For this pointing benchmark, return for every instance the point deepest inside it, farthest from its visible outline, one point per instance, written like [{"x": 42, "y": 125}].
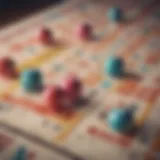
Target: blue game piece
[
  {"x": 121, "y": 120},
  {"x": 114, "y": 66},
  {"x": 115, "y": 14},
  {"x": 31, "y": 80},
  {"x": 21, "y": 154}
]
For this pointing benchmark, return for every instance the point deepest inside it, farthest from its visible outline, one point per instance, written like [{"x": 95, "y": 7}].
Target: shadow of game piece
[
  {"x": 103, "y": 115},
  {"x": 132, "y": 132},
  {"x": 82, "y": 101},
  {"x": 132, "y": 76},
  {"x": 129, "y": 76},
  {"x": 96, "y": 38},
  {"x": 60, "y": 43}
]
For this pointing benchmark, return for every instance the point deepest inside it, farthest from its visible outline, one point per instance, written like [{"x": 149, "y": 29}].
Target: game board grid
[
  {"x": 81, "y": 136},
  {"x": 34, "y": 151},
  {"x": 84, "y": 135},
  {"x": 109, "y": 40},
  {"x": 67, "y": 31},
  {"x": 33, "y": 63},
  {"x": 41, "y": 132},
  {"x": 32, "y": 123}
]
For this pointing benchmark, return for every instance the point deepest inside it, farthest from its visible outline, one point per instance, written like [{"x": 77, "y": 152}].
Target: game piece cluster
[
  {"x": 63, "y": 97},
  {"x": 60, "y": 98},
  {"x": 83, "y": 31}
]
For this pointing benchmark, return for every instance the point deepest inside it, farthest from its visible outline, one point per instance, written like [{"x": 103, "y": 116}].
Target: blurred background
[{"x": 12, "y": 10}]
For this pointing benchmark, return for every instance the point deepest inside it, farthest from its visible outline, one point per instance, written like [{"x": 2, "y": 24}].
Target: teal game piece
[
  {"x": 21, "y": 154},
  {"x": 114, "y": 66},
  {"x": 31, "y": 80},
  {"x": 121, "y": 120},
  {"x": 115, "y": 14}
]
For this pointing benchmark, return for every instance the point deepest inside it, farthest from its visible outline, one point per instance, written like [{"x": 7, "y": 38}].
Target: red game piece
[
  {"x": 56, "y": 98},
  {"x": 84, "y": 31},
  {"x": 52, "y": 97},
  {"x": 45, "y": 36},
  {"x": 8, "y": 68},
  {"x": 31, "y": 156},
  {"x": 73, "y": 88}
]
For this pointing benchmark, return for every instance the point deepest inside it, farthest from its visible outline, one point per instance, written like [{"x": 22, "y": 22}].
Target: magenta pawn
[
  {"x": 45, "y": 36},
  {"x": 73, "y": 87},
  {"x": 84, "y": 31}
]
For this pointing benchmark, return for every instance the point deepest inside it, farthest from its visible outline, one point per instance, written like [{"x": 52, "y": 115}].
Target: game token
[
  {"x": 73, "y": 87},
  {"x": 21, "y": 154},
  {"x": 114, "y": 66},
  {"x": 45, "y": 36},
  {"x": 8, "y": 68},
  {"x": 52, "y": 96},
  {"x": 120, "y": 120},
  {"x": 31, "y": 80},
  {"x": 55, "y": 97},
  {"x": 84, "y": 31},
  {"x": 115, "y": 14}
]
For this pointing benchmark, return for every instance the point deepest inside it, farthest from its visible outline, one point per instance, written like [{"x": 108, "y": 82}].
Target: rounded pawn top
[
  {"x": 73, "y": 87},
  {"x": 52, "y": 96},
  {"x": 115, "y": 14},
  {"x": 20, "y": 154},
  {"x": 31, "y": 80},
  {"x": 114, "y": 66},
  {"x": 45, "y": 36},
  {"x": 8, "y": 67},
  {"x": 55, "y": 97},
  {"x": 121, "y": 120},
  {"x": 84, "y": 31}
]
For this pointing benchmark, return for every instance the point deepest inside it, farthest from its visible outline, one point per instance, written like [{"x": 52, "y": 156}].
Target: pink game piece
[
  {"x": 8, "y": 68},
  {"x": 84, "y": 31},
  {"x": 45, "y": 36},
  {"x": 73, "y": 88}
]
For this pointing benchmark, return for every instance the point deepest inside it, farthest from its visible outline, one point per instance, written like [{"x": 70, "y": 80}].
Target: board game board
[
  {"x": 10, "y": 142},
  {"x": 85, "y": 133}
]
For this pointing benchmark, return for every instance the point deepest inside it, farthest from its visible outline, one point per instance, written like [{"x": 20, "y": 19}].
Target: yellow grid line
[
  {"x": 33, "y": 62},
  {"x": 142, "y": 118},
  {"x": 69, "y": 128}
]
